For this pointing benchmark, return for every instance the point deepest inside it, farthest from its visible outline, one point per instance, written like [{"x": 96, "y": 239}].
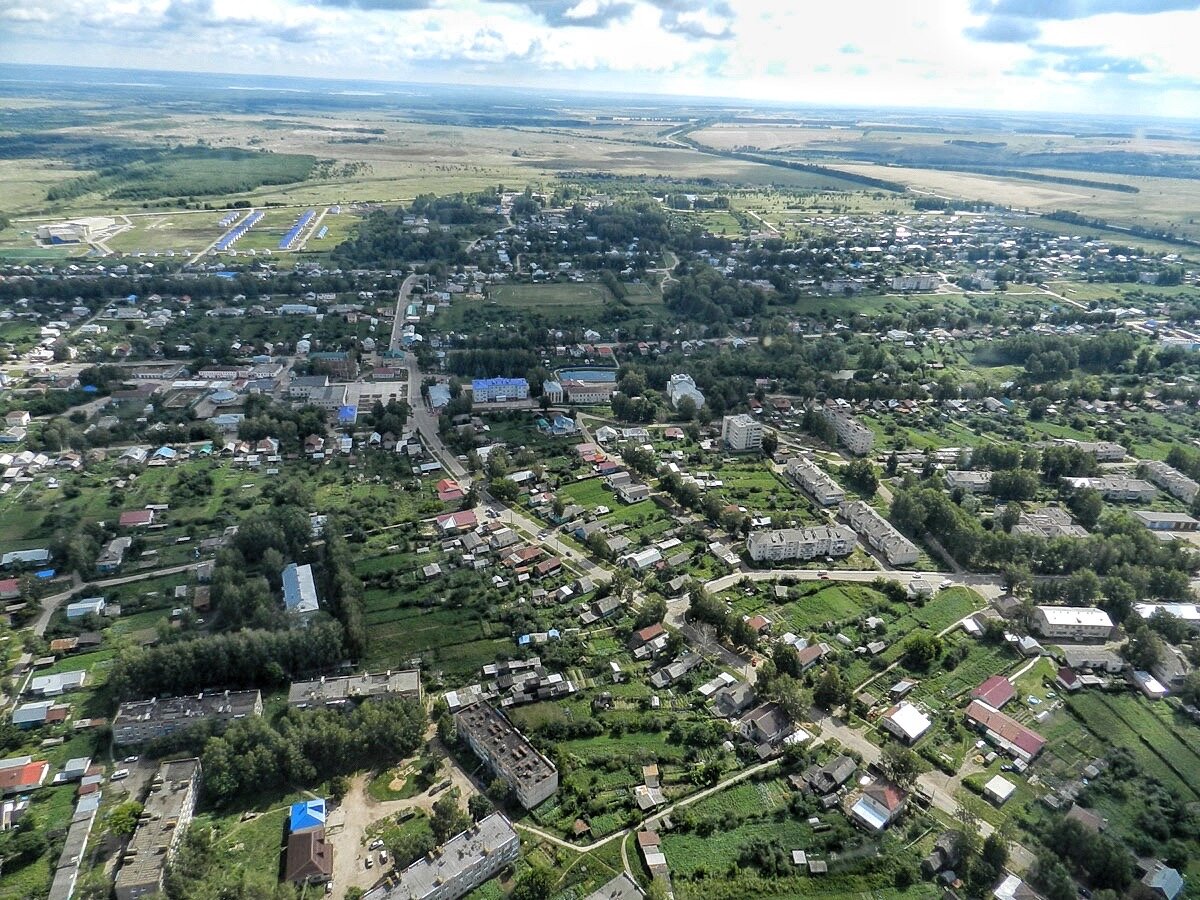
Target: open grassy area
[{"x": 548, "y": 297}]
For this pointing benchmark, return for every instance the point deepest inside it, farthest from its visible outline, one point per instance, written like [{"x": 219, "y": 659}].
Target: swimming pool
[{"x": 608, "y": 376}]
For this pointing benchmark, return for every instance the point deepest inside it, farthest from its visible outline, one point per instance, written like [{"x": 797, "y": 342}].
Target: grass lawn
[{"x": 551, "y": 297}]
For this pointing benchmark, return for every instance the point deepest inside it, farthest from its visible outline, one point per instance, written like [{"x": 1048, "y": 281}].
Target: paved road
[
  {"x": 989, "y": 586},
  {"x": 401, "y": 302}
]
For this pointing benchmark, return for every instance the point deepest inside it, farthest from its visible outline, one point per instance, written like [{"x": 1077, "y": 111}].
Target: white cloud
[{"x": 953, "y": 53}]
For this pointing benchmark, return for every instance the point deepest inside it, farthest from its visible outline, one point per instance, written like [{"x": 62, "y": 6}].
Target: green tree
[
  {"x": 448, "y": 819},
  {"x": 122, "y": 820}
]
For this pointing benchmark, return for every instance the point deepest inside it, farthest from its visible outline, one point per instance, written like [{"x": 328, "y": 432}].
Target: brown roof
[{"x": 309, "y": 857}]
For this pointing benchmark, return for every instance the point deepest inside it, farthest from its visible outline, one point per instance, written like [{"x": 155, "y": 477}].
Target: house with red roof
[
  {"x": 458, "y": 522},
  {"x": 449, "y": 491},
  {"x": 136, "y": 518},
  {"x": 22, "y": 774},
  {"x": 10, "y": 589},
  {"x": 1005, "y": 732},
  {"x": 995, "y": 691},
  {"x": 879, "y": 805},
  {"x": 646, "y": 635}
]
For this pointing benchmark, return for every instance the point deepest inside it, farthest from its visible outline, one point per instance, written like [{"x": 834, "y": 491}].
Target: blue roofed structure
[
  {"x": 299, "y": 590},
  {"x": 307, "y": 814},
  {"x": 347, "y": 415},
  {"x": 1163, "y": 880},
  {"x": 484, "y": 390}
]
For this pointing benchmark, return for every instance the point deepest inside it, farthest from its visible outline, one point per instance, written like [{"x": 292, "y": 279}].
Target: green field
[{"x": 551, "y": 297}]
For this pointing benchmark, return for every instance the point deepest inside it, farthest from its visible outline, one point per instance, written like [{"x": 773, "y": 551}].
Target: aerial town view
[{"x": 583, "y": 451}]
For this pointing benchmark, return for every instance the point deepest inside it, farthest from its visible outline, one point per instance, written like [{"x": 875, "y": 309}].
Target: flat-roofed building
[
  {"x": 816, "y": 481},
  {"x": 1157, "y": 520},
  {"x": 352, "y": 688},
  {"x": 139, "y": 721},
  {"x": 800, "y": 543},
  {"x": 973, "y": 482},
  {"x": 164, "y": 819},
  {"x": 1171, "y": 480},
  {"x": 1048, "y": 522},
  {"x": 851, "y": 433},
  {"x": 1120, "y": 488},
  {"x": 489, "y": 390},
  {"x": 742, "y": 432},
  {"x": 459, "y": 866},
  {"x": 508, "y": 753},
  {"x": 299, "y": 590},
  {"x": 1188, "y": 612},
  {"x": 1074, "y": 622},
  {"x": 880, "y": 533}
]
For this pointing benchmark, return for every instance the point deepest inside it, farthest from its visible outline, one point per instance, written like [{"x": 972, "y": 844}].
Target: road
[
  {"x": 665, "y": 811},
  {"x": 53, "y": 601},
  {"x": 401, "y": 302},
  {"x": 989, "y": 586}
]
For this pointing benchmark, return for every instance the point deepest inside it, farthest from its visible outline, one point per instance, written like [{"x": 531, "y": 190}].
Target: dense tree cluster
[
  {"x": 305, "y": 746},
  {"x": 244, "y": 659}
]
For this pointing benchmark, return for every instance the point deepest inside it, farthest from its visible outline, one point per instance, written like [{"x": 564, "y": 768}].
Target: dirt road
[{"x": 359, "y": 810}]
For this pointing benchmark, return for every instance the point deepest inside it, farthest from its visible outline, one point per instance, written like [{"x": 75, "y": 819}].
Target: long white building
[
  {"x": 1171, "y": 480},
  {"x": 459, "y": 866},
  {"x": 1081, "y": 623},
  {"x": 816, "y": 481},
  {"x": 800, "y": 543},
  {"x": 880, "y": 533}
]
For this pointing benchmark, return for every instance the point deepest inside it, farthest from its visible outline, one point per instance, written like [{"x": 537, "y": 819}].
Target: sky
[{"x": 1134, "y": 57}]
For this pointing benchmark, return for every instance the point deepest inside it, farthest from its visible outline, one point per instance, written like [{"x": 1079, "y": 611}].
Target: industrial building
[{"x": 74, "y": 231}]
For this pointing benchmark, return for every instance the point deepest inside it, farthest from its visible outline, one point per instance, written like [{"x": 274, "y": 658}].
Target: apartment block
[
  {"x": 742, "y": 432},
  {"x": 508, "y": 753},
  {"x": 139, "y": 721},
  {"x": 800, "y": 543},
  {"x": 816, "y": 481},
  {"x": 1073, "y": 622},
  {"x": 1171, "y": 480},
  {"x": 164, "y": 819},
  {"x": 880, "y": 533},
  {"x": 851, "y": 433}
]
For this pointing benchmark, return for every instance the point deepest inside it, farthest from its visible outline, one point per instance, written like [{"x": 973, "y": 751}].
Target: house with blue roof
[
  {"x": 307, "y": 814},
  {"x": 1164, "y": 881}
]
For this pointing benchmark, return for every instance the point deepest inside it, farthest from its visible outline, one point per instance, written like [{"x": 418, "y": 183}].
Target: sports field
[{"x": 567, "y": 297}]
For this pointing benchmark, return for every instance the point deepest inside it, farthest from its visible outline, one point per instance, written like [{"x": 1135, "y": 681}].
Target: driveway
[{"x": 358, "y": 810}]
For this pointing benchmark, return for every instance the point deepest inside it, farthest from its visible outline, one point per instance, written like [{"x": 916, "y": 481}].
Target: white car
[
  {"x": 131, "y": 759},
  {"x": 119, "y": 774},
  {"x": 375, "y": 844}
]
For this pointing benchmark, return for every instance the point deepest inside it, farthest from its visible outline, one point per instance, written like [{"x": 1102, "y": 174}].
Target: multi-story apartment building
[
  {"x": 508, "y": 753},
  {"x": 742, "y": 432},
  {"x": 880, "y": 533},
  {"x": 165, "y": 817},
  {"x": 139, "y": 721},
  {"x": 800, "y": 543}
]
